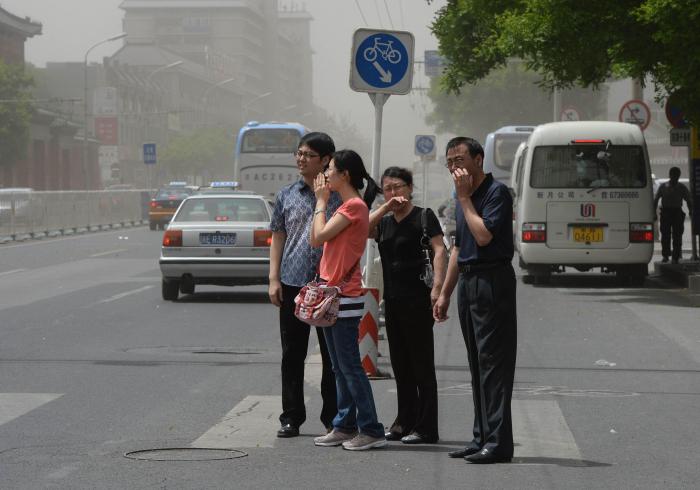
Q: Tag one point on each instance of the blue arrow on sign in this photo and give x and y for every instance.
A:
(149, 153)
(381, 60)
(425, 145)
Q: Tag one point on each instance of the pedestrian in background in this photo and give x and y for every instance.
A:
(344, 237)
(293, 263)
(481, 260)
(397, 226)
(671, 194)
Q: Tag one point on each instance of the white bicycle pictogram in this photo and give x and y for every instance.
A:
(385, 49)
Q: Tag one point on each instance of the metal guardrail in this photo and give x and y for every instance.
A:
(26, 213)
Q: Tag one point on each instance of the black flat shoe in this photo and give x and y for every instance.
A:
(288, 430)
(462, 453)
(487, 457)
(416, 438)
(392, 436)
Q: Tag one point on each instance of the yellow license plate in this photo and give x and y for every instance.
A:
(588, 234)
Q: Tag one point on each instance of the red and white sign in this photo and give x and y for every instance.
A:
(635, 112)
(107, 130)
(570, 114)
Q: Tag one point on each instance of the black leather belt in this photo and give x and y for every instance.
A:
(483, 266)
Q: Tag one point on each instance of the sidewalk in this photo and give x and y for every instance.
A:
(685, 274)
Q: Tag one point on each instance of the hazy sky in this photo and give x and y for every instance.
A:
(71, 26)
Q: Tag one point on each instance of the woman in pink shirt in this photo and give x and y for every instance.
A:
(344, 237)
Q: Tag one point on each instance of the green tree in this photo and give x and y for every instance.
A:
(204, 154)
(506, 96)
(569, 42)
(15, 112)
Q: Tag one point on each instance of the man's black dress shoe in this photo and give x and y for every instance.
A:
(288, 430)
(487, 457)
(415, 438)
(392, 436)
(462, 453)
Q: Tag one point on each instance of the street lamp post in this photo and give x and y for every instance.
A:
(85, 104)
(245, 106)
(205, 105)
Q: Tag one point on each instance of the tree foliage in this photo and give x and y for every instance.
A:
(205, 154)
(569, 42)
(15, 112)
(507, 96)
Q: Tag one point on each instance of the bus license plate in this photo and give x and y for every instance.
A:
(588, 234)
(221, 239)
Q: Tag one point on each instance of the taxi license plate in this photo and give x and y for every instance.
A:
(587, 234)
(221, 239)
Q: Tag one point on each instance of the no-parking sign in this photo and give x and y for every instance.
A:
(635, 112)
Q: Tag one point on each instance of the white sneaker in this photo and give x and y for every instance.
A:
(363, 442)
(334, 438)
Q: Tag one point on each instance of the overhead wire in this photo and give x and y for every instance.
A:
(379, 15)
(388, 14)
(364, 19)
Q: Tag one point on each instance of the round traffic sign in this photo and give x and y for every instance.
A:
(381, 60)
(674, 113)
(635, 112)
(569, 114)
(425, 145)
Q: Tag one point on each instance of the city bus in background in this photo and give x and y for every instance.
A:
(499, 150)
(263, 156)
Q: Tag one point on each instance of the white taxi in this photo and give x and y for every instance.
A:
(221, 239)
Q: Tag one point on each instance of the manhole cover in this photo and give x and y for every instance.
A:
(185, 454)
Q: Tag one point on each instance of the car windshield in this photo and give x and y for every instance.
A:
(223, 209)
(588, 167)
(505, 146)
(172, 194)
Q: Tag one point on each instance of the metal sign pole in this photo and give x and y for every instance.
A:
(378, 99)
(693, 153)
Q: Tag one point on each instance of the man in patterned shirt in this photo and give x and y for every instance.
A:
(293, 263)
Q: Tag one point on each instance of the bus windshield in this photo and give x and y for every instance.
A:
(588, 167)
(265, 140)
(505, 146)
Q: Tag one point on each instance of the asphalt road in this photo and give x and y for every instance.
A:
(94, 364)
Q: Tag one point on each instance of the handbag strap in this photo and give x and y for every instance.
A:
(425, 239)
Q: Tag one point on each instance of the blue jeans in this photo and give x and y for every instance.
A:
(356, 408)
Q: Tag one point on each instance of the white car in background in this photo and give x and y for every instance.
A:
(222, 239)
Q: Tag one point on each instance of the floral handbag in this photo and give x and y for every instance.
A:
(317, 304)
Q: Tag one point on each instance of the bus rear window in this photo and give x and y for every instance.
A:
(270, 141)
(504, 148)
(588, 166)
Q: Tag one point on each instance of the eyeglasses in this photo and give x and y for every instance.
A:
(458, 161)
(393, 188)
(305, 154)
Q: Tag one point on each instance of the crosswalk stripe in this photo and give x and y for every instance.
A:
(13, 405)
(540, 430)
(251, 423)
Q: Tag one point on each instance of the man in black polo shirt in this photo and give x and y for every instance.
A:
(481, 261)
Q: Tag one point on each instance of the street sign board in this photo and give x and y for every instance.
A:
(425, 145)
(674, 114)
(107, 130)
(149, 153)
(680, 136)
(635, 112)
(570, 114)
(434, 63)
(381, 61)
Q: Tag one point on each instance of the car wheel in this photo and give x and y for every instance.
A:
(528, 279)
(170, 289)
(187, 287)
(152, 225)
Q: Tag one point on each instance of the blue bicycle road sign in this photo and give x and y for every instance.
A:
(382, 61)
(149, 153)
(425, 145)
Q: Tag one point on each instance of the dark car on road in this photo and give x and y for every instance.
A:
(164, 204)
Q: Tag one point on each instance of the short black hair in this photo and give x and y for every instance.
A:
(319, 142)
(398, 173)
(674, 172)
(473, 147)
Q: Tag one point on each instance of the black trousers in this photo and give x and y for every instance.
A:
(671, 227)
(487, 315)
(295, 343)
(409, 329)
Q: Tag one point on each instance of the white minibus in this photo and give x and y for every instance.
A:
(585, 201)
(499, 150)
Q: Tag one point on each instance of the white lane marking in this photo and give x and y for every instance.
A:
(63, 472)
(109, 252)
(541, 431)
(314, 370)
(251, 423)
(7, 273)
(65, 238)
(122, 295)
(13, 405)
